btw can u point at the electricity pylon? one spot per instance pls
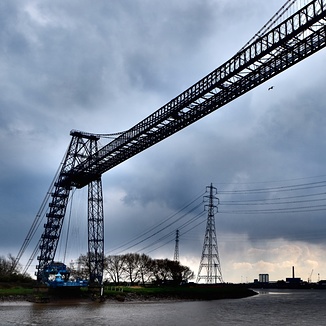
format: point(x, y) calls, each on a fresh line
point(176, 250)
point(210, 267)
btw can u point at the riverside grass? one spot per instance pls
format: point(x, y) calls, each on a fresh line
point(134, 293)
point(197, 292)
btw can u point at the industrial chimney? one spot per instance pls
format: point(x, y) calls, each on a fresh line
point(292, 271)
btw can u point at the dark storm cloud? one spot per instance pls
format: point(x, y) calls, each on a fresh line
point(67, 66)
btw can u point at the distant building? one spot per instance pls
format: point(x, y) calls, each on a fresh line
point(264, 278)
point(293, 280)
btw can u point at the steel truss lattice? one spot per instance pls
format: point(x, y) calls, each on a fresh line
point(210, 267)
point(294, 39)
point(176, 248)
point(95, 232)
point(81, 147)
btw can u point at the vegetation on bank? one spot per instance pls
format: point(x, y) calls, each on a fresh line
point(10, 270)
point(137, 293)
point(16, 291)
point(183, 292)
point(132, 269)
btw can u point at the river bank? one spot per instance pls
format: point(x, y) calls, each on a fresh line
point(130, 294)
point(195, 293)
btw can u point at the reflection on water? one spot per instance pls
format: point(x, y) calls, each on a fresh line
point(298, 307)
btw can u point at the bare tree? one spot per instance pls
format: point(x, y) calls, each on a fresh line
point(8, 267)
point(179, 273)
point(186, 273)
point(166, 270)
point(115, 268)
point(161, 270)
point(131, 267)
point(145, 268)
point(81, 270)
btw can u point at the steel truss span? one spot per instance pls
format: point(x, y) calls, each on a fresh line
point(294, 39)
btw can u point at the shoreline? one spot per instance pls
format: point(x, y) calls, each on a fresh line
point(176, 295)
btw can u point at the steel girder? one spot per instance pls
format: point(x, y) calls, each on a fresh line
point(293, 40)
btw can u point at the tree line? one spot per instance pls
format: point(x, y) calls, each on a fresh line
point(134, 268)
point(10, 271)
point(131, 268)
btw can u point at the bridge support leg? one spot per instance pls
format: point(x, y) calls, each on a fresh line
point(95, 232)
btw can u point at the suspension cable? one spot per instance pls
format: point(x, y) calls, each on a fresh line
point(270, 23)
point(38, 219)
point(68, 227)
point(36, 223)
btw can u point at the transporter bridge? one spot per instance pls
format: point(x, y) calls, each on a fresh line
point(282, 43)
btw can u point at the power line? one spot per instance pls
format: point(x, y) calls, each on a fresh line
point(260, 202)
point(271, 181)
point(289, 202)
point(140, 238)
point(303, 209)
point(297, 187)
point(164, 228)
point(158, 241)
point(240, 202)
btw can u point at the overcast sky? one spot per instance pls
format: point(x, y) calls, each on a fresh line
point(103, 66)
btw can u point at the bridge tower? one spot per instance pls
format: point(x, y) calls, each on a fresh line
point(176, 249)
point(210, 267)
point(82, 146)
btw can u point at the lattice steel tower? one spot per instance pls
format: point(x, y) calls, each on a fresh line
point(176, 249)
point(82, 146)
point(210, 267)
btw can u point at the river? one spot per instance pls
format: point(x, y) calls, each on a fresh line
point(269, 307)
